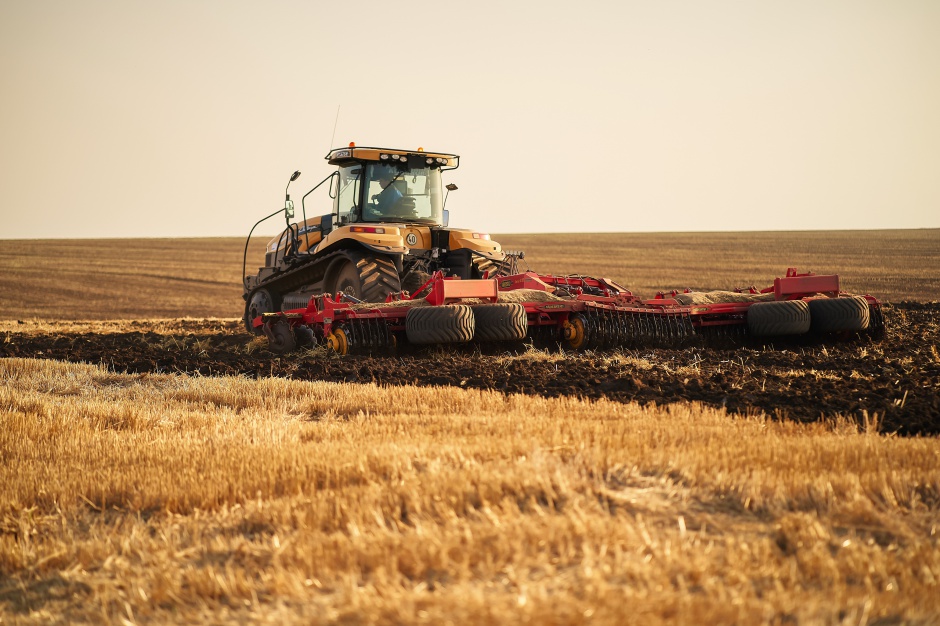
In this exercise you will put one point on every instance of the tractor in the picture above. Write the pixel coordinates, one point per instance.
(387, 233)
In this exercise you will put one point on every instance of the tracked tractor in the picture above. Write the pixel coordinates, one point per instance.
(387, 232)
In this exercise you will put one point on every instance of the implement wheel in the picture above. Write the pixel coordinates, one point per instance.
(337, 341)
(281, 338)
(575, 332)
(500, 322)
(305, 337)
(831, 315)
(771, 319)
(440, 324)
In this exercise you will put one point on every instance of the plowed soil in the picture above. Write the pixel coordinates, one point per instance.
(894, 383)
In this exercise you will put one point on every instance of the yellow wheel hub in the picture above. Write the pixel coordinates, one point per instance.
(573, 332)
(337, 341)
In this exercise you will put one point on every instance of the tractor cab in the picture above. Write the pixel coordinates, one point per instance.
(389, 186)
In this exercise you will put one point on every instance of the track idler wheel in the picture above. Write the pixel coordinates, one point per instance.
(786, 317)
(574, 332)
(500, 322)
(832, 315)
(440, 324)
(281, 338)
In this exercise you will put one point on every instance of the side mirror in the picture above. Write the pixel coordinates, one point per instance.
(446, 218)
(289, 209)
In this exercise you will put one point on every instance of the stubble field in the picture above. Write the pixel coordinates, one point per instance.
(174, 479)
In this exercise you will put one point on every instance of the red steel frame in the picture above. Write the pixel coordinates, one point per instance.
(323, 311)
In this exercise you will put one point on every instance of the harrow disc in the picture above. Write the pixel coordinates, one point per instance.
(500, 322)
(787, 317)
(839, 314)
(440, 324)
(281, 338)
(260, 303)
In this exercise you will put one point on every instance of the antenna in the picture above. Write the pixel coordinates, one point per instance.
(335, 122)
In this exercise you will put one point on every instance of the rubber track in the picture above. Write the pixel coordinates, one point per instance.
(284, 282)
(483, 264)
(440, 324)
(500, 322)
(378, 277)
(837, 314)
(771, 319)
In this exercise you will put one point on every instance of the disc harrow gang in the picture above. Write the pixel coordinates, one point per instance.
(575, 312)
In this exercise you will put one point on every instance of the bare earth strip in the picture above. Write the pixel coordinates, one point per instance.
(155, 498)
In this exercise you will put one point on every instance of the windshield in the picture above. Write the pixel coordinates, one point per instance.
(396, 195)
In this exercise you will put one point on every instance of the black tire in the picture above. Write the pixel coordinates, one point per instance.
(832, 315)
(876, 323)
(771, 319)
(305, 337)
(500, 322)
(367, 278)
(439, 324)
(281, 340)
(260, 303)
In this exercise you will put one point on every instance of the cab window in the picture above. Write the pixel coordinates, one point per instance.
(346, 203)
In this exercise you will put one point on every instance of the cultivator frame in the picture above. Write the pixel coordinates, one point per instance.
(579, 312)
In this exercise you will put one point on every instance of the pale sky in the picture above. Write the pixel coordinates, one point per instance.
(186, 118)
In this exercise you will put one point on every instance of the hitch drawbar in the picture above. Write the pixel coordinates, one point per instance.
(578, 312)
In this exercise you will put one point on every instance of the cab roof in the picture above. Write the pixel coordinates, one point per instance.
(338, 156)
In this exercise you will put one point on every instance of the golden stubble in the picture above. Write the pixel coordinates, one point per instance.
(156, 498)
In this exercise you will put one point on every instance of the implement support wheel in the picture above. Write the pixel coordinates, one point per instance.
(574, 332)
(337, 341)
(770, 319)
(500, 322)
(440, 324)
(831, 315)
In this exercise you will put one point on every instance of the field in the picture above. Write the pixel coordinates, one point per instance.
(158, 465)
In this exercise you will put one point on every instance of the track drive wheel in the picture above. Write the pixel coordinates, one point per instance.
(338, 341)
(574, 332)
(440, 324)
(831, 315)
(281, 338)
(786, 317)
(500, 322)
(260, 303)
(368, 278)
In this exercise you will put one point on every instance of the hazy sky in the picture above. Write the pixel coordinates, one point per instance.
(186, 118)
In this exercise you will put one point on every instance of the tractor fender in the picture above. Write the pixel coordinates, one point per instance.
(464, 239)
(389, 242)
